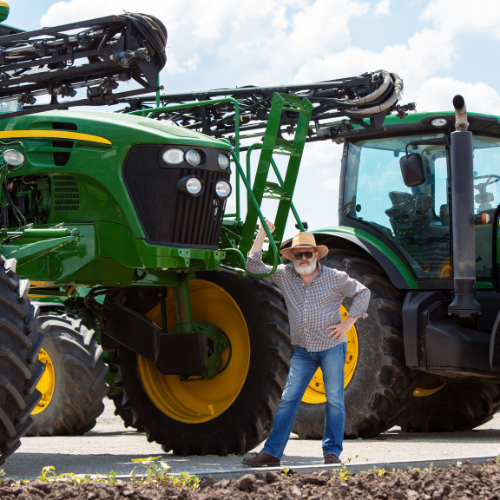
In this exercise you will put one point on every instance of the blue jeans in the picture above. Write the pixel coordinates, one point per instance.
(303, 366)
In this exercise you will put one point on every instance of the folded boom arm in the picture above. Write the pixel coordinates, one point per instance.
(102, 54)
(369, 96)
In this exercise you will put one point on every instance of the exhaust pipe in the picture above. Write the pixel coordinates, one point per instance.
(464, 304)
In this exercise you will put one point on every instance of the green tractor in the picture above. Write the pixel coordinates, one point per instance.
(135, 209)
(418, 225)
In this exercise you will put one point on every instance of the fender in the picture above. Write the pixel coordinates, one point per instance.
(397, 271)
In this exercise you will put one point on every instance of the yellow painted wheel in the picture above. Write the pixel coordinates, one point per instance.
(74, 382)
(315, 392)
(195, 402)
(233, 412)
(47, 383)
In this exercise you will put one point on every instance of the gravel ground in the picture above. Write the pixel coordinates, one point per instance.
(109, 446)
(457, 483)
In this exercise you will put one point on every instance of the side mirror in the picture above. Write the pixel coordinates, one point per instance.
(412, 169)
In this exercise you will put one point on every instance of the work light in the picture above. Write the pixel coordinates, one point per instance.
(13, 158)
(193, 157)
(223, 189)
(439, 122)
(223, 161)
(173, 156)
(192, 185)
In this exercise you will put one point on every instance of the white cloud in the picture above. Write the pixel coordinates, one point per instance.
(267, 45)
(228, 43)
(436, 94)
(383, 8)
(415, 61)
(464, 16)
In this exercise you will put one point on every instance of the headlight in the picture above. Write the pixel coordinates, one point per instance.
(223, 161)
(173, 156)
(223, 189)
(193, 157)
(191, 185)
(13, 158)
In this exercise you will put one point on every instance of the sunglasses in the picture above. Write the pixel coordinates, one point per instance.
(299, 255)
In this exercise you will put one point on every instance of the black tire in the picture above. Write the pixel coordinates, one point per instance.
(80, 378)
(455, 407)
(20, 369)
(125, 414)
(248, 419)
(381, 377)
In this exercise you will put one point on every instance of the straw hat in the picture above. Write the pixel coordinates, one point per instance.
(302, 241)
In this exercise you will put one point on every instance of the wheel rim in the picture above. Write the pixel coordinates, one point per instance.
(196, 402)
(425, 390)
(46, 384)
(315, 392)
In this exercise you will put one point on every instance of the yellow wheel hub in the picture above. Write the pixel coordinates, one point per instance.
(315, 392)
(195, 402)
(428, 389)
(47, 383)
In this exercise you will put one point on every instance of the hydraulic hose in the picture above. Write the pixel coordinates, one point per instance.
(393, 99)
(374, 95)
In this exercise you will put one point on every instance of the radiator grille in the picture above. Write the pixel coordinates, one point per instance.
(198, 219)
(66, 193)
(169, 217)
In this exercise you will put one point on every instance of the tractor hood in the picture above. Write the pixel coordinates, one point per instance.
(110, 129)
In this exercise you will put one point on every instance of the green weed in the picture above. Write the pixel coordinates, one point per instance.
(159, 472)
(48, 475)
(186, 480)
(342, 474)
(155, 471)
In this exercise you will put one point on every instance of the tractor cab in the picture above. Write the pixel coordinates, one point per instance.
(416, 220)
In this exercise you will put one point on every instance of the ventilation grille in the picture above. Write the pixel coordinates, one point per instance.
(66, 194)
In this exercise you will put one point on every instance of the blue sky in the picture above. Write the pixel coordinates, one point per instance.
(439, 48)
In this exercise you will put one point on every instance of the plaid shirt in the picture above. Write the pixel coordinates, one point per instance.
(313, 308)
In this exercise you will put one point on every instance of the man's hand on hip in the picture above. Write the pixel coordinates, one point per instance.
(338, 331)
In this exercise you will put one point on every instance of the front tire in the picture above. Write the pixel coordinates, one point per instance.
(74, 384)
(454, 407)
(380, 377)
(20, 369)
(233, 412)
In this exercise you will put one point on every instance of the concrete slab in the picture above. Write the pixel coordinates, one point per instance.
(109, 446)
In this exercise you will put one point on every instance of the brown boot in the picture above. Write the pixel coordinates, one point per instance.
(332, 459)
(261, 460)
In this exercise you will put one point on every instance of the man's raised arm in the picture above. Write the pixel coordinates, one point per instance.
(254, 257)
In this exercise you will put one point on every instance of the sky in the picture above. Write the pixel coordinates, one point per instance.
(439, 48)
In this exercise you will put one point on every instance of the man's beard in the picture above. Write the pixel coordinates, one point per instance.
(305, 269)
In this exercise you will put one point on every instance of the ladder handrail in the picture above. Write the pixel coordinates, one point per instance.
(278, 176)
(263, 222)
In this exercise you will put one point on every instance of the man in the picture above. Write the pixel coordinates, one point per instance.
(313, 294)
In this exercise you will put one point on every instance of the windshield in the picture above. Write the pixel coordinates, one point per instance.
(415, 219)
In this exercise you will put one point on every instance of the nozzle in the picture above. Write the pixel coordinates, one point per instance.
(461, 123)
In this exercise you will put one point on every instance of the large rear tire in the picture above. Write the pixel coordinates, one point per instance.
(125, 414)
(20, 369)
(454, 407)
(74, 384)
(233, 412)
(380, 378)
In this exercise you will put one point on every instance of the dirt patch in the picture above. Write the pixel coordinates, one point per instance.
(453, 482)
